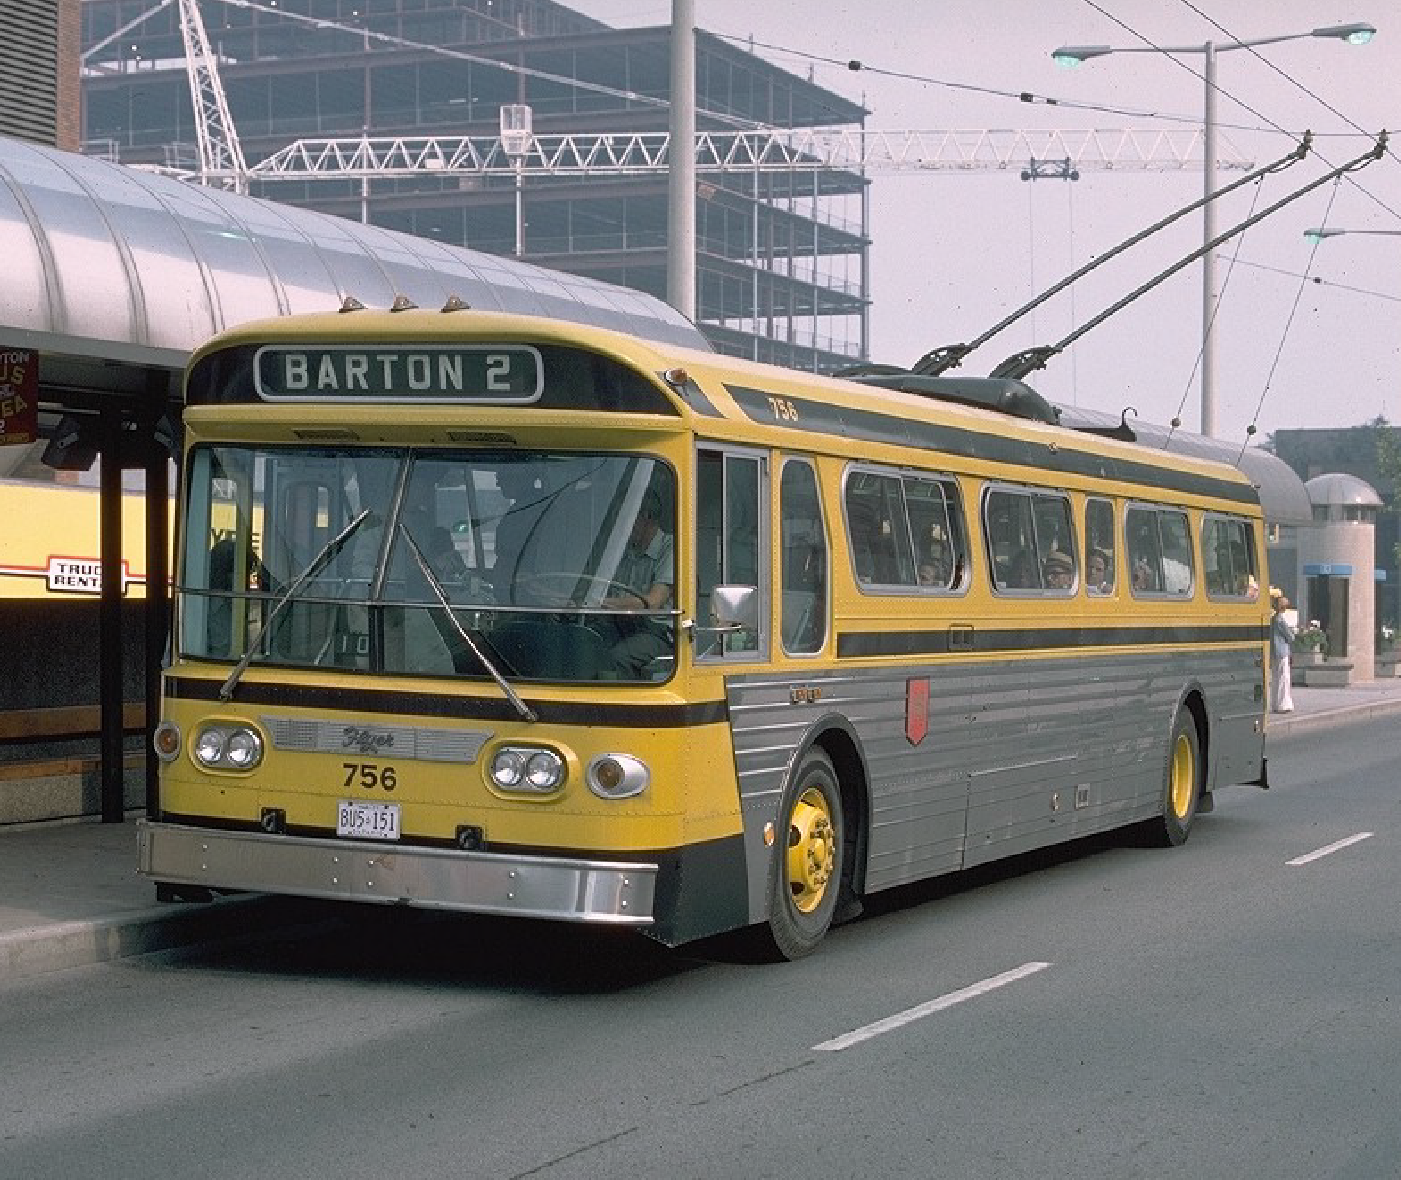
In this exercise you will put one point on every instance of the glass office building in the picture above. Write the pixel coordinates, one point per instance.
(781, 263)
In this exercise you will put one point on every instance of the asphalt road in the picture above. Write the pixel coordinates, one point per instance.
(1231, 1008)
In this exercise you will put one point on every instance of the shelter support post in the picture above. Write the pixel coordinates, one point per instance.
(109, 642)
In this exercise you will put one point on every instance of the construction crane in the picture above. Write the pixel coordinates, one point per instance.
(770, 150)
(221, 160)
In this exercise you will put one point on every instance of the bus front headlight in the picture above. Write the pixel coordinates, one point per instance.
(529, 770)
(228, 747)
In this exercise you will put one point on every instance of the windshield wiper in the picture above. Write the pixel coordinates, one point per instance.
(314, 567)
(526, 712)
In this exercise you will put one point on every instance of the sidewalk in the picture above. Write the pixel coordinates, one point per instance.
(70, 896)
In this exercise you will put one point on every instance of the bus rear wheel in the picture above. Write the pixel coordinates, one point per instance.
(1182, 783)
(805, 875)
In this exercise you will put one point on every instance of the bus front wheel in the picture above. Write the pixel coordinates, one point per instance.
(805, 874)
(1182, 783)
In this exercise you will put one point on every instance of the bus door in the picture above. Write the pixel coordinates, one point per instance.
(732, 546)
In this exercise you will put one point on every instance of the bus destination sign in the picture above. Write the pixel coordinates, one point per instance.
(511, 373)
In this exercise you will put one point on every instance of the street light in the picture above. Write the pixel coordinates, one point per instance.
(1315, 236)
(1073, 55)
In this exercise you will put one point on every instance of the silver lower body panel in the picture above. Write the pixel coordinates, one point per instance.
(569, 890)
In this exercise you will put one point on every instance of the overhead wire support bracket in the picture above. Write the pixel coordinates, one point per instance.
(949, 356)
(1022, 364)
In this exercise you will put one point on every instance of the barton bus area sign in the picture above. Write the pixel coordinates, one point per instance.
(19, 397)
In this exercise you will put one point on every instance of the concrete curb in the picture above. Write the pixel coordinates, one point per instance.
(59, 946)
(1290, 725)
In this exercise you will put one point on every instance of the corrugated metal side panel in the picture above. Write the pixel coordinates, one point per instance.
(29, 70)
(1018, 754)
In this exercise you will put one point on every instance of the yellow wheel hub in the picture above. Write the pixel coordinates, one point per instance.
(1184, 776)
(812, 850)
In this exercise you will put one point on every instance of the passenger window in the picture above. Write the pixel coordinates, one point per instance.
(936, 524)
(1228, 554)
(803, 621)
(906, 531)
(1160, 551)
(1099, 546)
(879, 534)
(1031, 541)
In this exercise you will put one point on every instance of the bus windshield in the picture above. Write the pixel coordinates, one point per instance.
(552, 566)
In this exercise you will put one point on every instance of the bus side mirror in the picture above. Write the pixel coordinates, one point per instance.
(735, 608)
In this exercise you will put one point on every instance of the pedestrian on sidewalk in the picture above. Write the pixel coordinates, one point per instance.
(1281, 647)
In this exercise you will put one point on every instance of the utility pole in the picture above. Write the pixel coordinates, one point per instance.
(681, 176)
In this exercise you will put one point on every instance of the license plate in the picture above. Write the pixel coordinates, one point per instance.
(367, 821)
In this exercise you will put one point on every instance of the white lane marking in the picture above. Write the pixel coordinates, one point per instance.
(900, 1019)
(1329, 848)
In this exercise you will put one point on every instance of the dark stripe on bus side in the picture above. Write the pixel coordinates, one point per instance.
(853, 644)
(874, 426)
(431, 704)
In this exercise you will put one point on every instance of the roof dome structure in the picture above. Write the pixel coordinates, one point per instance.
(1338, 488)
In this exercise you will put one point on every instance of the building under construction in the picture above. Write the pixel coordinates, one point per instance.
(781, 253)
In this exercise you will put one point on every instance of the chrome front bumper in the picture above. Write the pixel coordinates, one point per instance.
(608, 892)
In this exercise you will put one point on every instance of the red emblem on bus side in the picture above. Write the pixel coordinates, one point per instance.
(916, 710)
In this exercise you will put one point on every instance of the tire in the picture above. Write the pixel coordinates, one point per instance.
(805, 874)
(1182, 784)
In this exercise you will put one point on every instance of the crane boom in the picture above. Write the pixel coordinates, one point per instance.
(770, 150)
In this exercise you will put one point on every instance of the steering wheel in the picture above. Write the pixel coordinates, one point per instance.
(555, 589)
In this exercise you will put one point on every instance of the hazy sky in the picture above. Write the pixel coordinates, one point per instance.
(954, 253)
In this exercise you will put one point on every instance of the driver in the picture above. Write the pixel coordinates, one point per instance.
(648, 572)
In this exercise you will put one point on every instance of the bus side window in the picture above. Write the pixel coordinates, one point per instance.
(1228, 553)
(803, 560)
(1011, 539)
(1099, 546)
(731, 545)
(936, 523)
(878, 530)
(1178, 573)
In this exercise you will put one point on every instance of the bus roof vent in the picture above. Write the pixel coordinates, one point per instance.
(402, 303)
(456, 303)
(1003, 394)
(350, 303)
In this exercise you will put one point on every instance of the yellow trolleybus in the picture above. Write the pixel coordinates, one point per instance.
(498, 614)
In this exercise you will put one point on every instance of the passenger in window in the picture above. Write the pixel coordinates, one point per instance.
(1142, 575)
(1059, 570)
(936, 569)
(1098, 575)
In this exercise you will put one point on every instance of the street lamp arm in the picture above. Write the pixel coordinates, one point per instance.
(1318, 234)
(1358, 33)
(949, 356)
(1028, 362)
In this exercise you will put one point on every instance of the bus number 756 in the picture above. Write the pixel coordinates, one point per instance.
(369, 776)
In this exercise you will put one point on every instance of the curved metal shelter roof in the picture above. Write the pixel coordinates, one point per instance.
(107, 262)
(1282, 493)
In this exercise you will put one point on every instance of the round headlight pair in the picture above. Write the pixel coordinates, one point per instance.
(527, 770)
(228, 747)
